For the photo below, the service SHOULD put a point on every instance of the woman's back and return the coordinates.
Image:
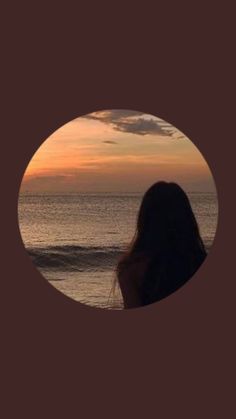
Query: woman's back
(144, 279)
(167, 273)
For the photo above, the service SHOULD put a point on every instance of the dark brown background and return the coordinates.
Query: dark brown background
(171, 359)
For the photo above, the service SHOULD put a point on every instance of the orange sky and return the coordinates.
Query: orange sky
(115, 151)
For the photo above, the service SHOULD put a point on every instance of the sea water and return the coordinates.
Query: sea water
(75, 240)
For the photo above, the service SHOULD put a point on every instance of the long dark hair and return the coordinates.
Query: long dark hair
(168, 234)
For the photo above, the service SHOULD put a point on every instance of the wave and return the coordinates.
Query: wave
(78, 258)
(75, 258)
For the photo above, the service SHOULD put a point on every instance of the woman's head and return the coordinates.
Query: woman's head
(166, 220)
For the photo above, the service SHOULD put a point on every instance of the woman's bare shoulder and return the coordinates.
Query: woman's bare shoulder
(130, 278)
(134, 269)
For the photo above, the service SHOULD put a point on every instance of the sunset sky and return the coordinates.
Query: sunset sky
(115, 151)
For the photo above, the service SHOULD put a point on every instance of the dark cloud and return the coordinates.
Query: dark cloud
(131, 122)
(109, 142)
(141, 126)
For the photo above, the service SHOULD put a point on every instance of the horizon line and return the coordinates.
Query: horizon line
(100, 192)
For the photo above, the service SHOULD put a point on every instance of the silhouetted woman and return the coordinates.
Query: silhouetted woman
(166, 250)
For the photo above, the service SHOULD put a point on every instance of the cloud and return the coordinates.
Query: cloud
(110, 142)
(111, 116)
(132, 122)
(141, 126)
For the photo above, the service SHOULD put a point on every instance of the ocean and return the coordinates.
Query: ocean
(75, 240)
